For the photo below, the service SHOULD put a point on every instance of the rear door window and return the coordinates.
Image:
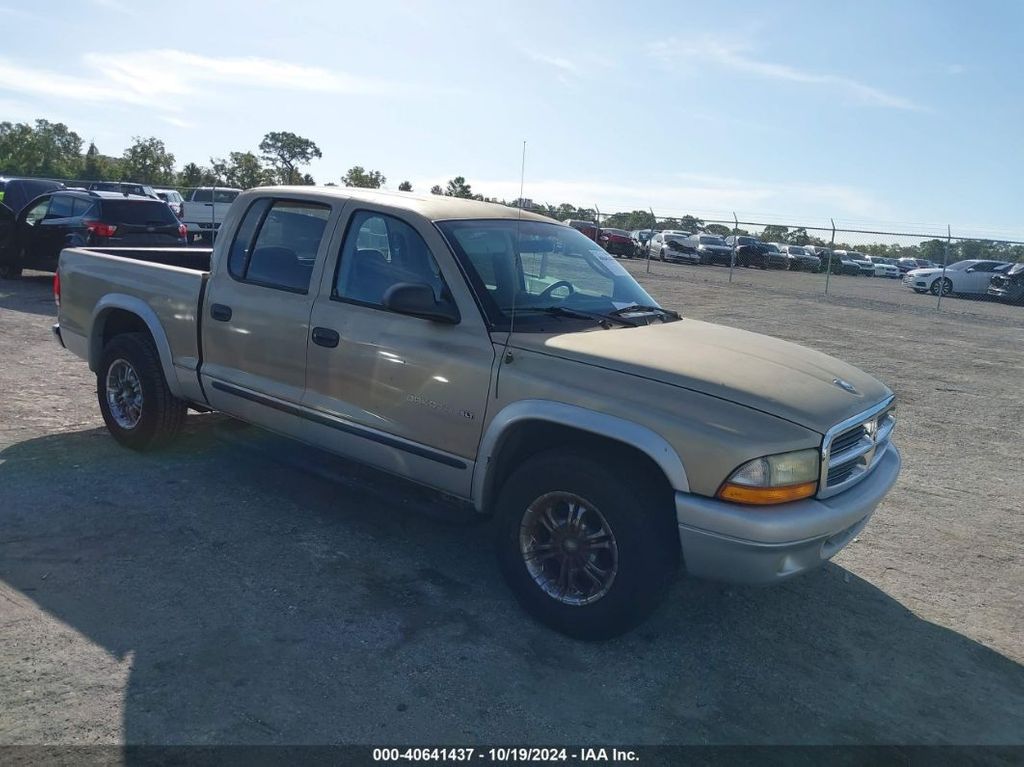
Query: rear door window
(60, 206)
(284, 249)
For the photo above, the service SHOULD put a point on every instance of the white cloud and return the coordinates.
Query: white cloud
(557, 62)
(161, 78)
(737, 57)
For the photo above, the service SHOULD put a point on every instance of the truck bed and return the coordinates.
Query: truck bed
(163, 286)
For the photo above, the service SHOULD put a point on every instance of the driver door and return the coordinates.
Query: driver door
(408, 394)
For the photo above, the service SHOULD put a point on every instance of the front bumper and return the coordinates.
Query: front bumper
(760, 545)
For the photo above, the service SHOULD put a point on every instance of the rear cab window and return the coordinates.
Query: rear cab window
(277, 242)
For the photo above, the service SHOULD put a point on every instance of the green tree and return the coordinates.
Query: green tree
(405, 186)
(720, 229)
(360, 177)
(637, 219)
(457, 187)
(93, 169)
(436, 189)
(775, 233)
(44, 149)
(243, 170)
(287, 153)
(147, 161)
(196, 175)
(691, 224)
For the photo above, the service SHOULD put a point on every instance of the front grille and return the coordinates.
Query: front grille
(851, 450)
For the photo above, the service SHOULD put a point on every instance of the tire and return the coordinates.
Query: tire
(920, 290)
(157, 414)
(643, 555)
(661, 255)
(947, 286)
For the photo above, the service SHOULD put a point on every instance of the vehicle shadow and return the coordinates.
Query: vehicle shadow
(262, 602)
(32, 294)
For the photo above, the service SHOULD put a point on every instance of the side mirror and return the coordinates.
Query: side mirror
(417, 300)
(970, 269)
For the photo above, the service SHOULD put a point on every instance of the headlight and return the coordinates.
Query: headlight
(774, 479)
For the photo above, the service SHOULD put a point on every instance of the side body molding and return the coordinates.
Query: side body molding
(141, 309)
(573, 416)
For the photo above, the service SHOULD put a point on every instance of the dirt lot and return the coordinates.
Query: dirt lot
(238, 589)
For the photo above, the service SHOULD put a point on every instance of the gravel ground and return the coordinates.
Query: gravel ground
(242, 589)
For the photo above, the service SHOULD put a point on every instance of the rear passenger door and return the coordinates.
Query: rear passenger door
(256, 313)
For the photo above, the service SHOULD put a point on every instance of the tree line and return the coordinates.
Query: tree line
(53, 150)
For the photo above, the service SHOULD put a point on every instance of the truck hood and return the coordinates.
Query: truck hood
(750, 369)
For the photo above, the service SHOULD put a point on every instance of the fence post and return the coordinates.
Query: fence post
(735, 243)
(654, 223)
(831, 245)
(945, 260)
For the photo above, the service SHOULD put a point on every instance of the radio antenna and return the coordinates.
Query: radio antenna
(507, 353)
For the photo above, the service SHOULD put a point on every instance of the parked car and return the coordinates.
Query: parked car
(884, 267)
(15, 194)
(866, 267)
(174, 200)
(679, 455)
(750, 251)
(799, 259)
(618, 242)
(641, 238)
(907, 264)
(840, 263)
(68, 218)
(972, 276)
(124, 188)
(1009, 285)
(776, 258)
(673, 246)
(711, 249)
(204, 211)
(586, 228)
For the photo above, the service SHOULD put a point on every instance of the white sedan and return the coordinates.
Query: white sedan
(884, 267)
(971, 276)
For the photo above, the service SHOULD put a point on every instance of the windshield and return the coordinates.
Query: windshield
(708, 239)
(1016, 268)
(769, 247)
(538, 266)
(796, 250)
(959, 266)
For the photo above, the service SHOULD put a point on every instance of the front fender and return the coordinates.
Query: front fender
(640, 437)
(138, 307)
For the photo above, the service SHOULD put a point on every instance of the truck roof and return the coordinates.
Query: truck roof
(434, 207)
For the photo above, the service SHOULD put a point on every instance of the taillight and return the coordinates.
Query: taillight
(100, 229)
(56, 288)
(182, 231)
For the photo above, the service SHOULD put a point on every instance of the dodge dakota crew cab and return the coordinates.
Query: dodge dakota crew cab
(505, 359)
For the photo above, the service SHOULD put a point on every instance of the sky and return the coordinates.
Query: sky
(903, 114)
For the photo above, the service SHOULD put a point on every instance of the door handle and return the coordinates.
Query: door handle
(326, 337)
(220, 312)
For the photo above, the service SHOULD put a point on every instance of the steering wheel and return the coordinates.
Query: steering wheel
(546, 293)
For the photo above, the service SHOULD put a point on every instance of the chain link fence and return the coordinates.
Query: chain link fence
(926, 270)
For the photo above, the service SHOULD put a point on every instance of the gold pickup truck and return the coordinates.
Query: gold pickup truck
(505, 359)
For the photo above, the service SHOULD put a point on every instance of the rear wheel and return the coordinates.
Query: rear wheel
(584, 552)
(137, 406)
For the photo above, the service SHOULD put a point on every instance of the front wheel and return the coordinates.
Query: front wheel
(585, 552)
(661, 255)
(137, 406)
(945, 286)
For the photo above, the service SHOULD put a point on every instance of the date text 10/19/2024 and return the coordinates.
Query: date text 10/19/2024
(504, 754)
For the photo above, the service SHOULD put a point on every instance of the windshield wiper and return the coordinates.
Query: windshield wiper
(561, 311)
(640, 308)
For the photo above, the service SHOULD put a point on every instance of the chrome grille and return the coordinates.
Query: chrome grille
(852, 448)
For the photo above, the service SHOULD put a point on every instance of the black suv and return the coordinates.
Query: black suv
(69, 218)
